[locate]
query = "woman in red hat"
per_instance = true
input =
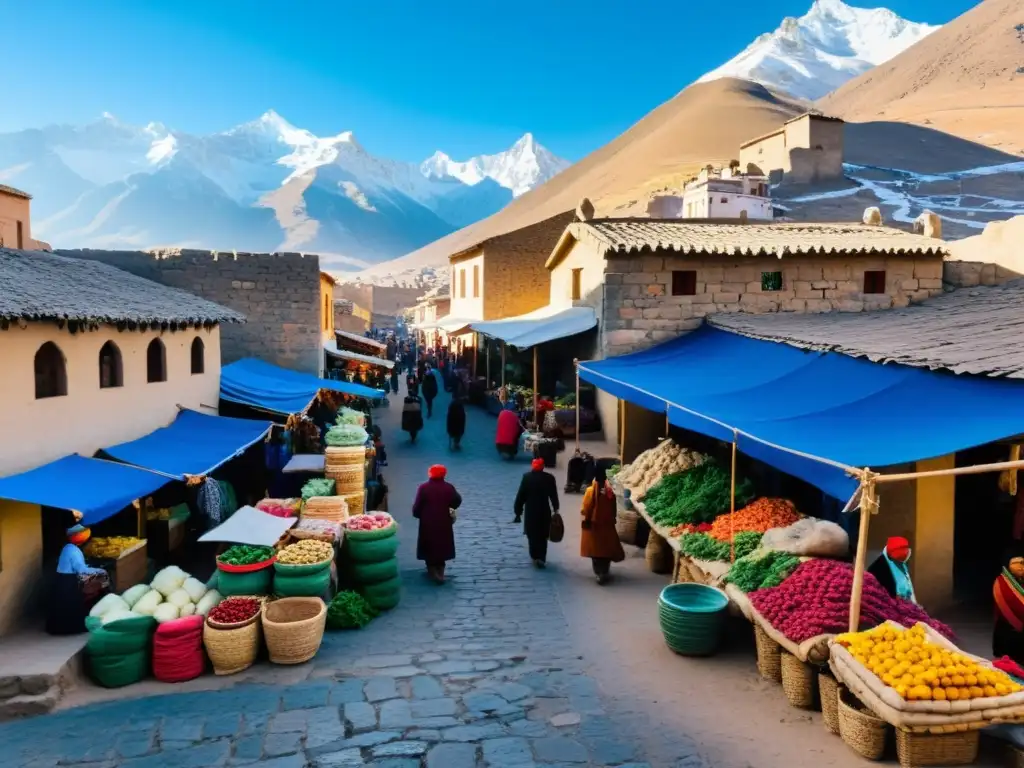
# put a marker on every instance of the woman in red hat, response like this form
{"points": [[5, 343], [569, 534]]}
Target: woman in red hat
{"points": [[435, 505], [538, 498], [892, 571]]}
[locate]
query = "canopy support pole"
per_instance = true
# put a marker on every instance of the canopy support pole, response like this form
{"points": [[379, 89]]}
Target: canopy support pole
{"points": [[503, 364], [476, 344], [868, 507], [666, 421], [955, 471], [535, 419], [576, 367], [622, 432], [487, 355], [732, 503]]}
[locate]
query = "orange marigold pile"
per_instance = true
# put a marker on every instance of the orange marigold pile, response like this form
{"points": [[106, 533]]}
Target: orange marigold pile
{"points": [[757, 516]]}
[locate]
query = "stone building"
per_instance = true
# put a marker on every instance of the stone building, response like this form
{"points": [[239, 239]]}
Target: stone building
{"points": [[723, 193], [804, 150], [650, 280], [16, 220], [281, 295]]}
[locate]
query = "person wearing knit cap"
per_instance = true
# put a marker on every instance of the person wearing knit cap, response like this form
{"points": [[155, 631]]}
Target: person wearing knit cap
{"points": [[67, 608], [434, 507], [535, 503], [892, 571]]}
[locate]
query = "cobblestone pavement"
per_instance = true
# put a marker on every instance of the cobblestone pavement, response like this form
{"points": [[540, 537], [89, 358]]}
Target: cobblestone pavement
{"points": [[478, 672]]}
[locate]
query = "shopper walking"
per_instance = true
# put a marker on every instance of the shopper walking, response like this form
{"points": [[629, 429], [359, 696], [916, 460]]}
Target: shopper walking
{"points": [[434, 506], [456, 423], [599, 540], [394, 380], [412, 385], [412, 417], [508, 432], [429, 387], [537, 499]]}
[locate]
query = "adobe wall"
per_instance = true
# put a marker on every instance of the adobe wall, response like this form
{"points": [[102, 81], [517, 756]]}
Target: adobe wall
{"points": [[279, 294], [809, 166]]}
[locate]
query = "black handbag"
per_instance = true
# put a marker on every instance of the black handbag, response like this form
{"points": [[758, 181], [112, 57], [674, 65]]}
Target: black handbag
{"points": [[557, 530]]}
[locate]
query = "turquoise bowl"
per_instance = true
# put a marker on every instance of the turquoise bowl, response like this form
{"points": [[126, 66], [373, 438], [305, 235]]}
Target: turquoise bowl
{"points": [[692, 618]]}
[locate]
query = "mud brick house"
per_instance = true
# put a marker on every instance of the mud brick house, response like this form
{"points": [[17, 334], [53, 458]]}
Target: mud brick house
{"points": [[804, 150]]}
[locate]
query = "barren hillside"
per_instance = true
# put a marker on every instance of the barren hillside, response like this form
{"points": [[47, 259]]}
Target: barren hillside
{"points": [[966, 79]]}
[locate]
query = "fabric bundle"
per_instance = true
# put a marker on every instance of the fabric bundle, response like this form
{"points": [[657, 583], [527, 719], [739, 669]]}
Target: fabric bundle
{"points": [[178, 650]]}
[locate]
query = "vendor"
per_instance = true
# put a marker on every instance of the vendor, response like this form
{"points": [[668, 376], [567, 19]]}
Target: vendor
{"points": [[75, 588], [892, 571]]}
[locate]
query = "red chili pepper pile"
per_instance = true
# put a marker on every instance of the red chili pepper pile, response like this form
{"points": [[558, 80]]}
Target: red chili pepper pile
{"points": [[234, 610], [687, 528]]}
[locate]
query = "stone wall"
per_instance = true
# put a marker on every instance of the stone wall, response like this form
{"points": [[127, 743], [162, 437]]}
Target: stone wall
{"points": [[968, 274], [639, 310], [279, 294]]}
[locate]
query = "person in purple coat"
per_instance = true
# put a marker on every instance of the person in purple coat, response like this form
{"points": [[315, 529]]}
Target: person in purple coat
{"points": [[435, 505]]}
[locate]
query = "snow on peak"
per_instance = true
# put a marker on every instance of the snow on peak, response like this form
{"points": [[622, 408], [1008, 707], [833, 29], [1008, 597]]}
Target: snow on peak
{"points": [[525, 165], [832, 43]]}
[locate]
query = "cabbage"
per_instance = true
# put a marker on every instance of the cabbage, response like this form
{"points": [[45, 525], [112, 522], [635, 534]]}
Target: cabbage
{"points": [[187, 610], [195, 588], [132, 594], [210, 599], [116, 613], [346, 435], [350, 416], [108, 603], [148, 603], [169, 580], [165, 612], [178, 598]]}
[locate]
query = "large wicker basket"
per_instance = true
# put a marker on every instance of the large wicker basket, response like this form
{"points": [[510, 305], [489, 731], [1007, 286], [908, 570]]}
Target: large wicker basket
{"points": [[333, 508], [799, 682], [920, 749], [625, 525], [356, 503], [864, 733], [294, 628], [350, 478], [232, 648], [347, 456], [828, 689], [769, 655], [658, 554]]}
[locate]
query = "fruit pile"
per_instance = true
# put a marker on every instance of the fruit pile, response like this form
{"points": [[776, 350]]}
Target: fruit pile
{"points": [[369, 522], [233, 610], [920, 670], [110, 547]]}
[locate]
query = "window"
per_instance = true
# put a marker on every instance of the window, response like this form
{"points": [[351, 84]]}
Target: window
{"points": [[21, 236], [684, 282], [771, 281], [327, 309], [874, 281], [51, 374], [462, 283], [725, 199], [111, 373], [576, 290], [156, 362], [198, 356], [476, 281]]}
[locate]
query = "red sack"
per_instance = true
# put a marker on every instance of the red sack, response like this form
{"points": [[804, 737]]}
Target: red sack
{"points": [[178, 650]]}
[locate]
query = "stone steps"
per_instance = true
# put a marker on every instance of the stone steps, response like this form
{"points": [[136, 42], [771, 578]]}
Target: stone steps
{"points": [[36, 689], [29, 705]]}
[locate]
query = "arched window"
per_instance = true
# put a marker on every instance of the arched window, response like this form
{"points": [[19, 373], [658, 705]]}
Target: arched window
{"points": [[51, 374], [156, 362], [198, 356], [111, 373]]}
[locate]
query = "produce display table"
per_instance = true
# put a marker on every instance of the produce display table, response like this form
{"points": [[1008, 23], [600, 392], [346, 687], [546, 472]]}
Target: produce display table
{"points": [[305, 462], [130, 567]]}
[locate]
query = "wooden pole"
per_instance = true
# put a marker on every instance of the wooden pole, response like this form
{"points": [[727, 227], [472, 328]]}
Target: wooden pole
{"points": [[666, 421], [503, 364], [975, 470], [535, 419], [487, 355], [732, 504], [868, 507], [622, 432], [576, 365], [476, 344]]}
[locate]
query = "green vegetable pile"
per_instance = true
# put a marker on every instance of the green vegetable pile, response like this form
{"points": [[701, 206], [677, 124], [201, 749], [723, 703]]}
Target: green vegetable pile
{"points": [[318, 486], [698, 495], [246, 554], [350, 416], [700, 546], [349, 610], [761, 569], [345, 435]]}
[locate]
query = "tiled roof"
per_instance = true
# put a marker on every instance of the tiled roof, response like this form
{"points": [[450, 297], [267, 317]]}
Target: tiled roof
{"points": [[41, 286], [4, 189], [626, 236], [970, 330]]}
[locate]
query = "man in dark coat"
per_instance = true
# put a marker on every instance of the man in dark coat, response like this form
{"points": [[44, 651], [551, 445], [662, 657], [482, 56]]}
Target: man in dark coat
{"points": [[429, 387], [433, 507], [456, 423], [538, 497]]}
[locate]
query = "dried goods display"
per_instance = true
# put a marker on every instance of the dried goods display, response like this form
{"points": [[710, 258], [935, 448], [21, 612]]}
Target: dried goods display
{"points": [[318, 486], [235, 610], [346, 435], [279, 507], [245, 554], [311, 527], [109, 547], [809, 537], [815, 600], [370, 522], [760, 569], [759, 515], [698, 495], [921, 670], [305, 553], [648, 468], [349, 610]]}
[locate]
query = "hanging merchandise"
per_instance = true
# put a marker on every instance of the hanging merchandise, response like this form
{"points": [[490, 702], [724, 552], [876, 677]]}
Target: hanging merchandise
{"points": [[228, 499], [303, 433], [209, 500]]}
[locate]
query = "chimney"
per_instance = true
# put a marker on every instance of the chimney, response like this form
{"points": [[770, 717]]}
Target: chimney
{"points": [[873, 216], [585, 210], [928, 224]]}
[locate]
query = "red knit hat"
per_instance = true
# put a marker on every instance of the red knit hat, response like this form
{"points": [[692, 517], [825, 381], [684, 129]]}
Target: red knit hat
{"points": [[537, 465], [437, 472], [898, 549]]}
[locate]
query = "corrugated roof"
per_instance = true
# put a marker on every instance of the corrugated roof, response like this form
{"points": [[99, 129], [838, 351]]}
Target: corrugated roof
{"points": [[969, 331], [16, 192], [690, 236], [41, 286]]}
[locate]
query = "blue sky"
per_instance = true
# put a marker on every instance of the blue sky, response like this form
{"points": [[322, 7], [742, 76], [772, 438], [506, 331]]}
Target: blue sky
{"points": [[408, 76]]}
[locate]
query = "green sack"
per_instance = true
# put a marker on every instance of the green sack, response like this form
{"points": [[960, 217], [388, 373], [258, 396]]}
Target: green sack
{"points": [[374, 535], [305, 569], [383, 596], [250, 583], [305, 585], [374, 573], [120, 670], [120, 637], [373, 551]]}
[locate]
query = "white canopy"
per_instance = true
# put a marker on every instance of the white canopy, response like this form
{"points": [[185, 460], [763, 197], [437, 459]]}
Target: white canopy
{"points": [[361, 339], [250, 526], [541, 325], [448, 324], [331, 347]]}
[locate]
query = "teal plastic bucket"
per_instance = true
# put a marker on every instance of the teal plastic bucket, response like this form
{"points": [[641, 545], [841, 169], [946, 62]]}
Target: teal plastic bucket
{"points": [[692, 618]]}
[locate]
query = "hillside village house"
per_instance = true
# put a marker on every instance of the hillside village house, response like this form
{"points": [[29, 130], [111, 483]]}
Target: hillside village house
{"points": [[804, 150], [93, 356], [16, 220], [723, 193], [430, 308]]}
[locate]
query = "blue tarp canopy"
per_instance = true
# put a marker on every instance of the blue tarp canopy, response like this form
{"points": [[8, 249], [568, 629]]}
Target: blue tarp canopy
{"points": [[193, 444], [279, 390], [96, 488], [792, 407]]}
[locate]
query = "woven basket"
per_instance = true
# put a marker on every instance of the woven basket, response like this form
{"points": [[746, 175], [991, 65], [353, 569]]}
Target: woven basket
{"points": [[769, 655], [798, 682], [658, 554], [347, 456], [828, 689], [919, 749], [625, 525], [232, 650], [294, 628], [333, 508], [864, 733], [348, 479], [355, 502]]}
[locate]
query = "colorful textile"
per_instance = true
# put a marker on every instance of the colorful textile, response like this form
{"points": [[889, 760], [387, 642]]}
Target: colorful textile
{"points": [[1009, 666], [209, 500], [1009, 600], [900, 576]]}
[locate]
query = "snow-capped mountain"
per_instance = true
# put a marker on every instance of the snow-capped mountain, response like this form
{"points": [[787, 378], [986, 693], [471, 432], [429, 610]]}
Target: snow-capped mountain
{"points": [[263, 185], [813, 55], [520, 169]]}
